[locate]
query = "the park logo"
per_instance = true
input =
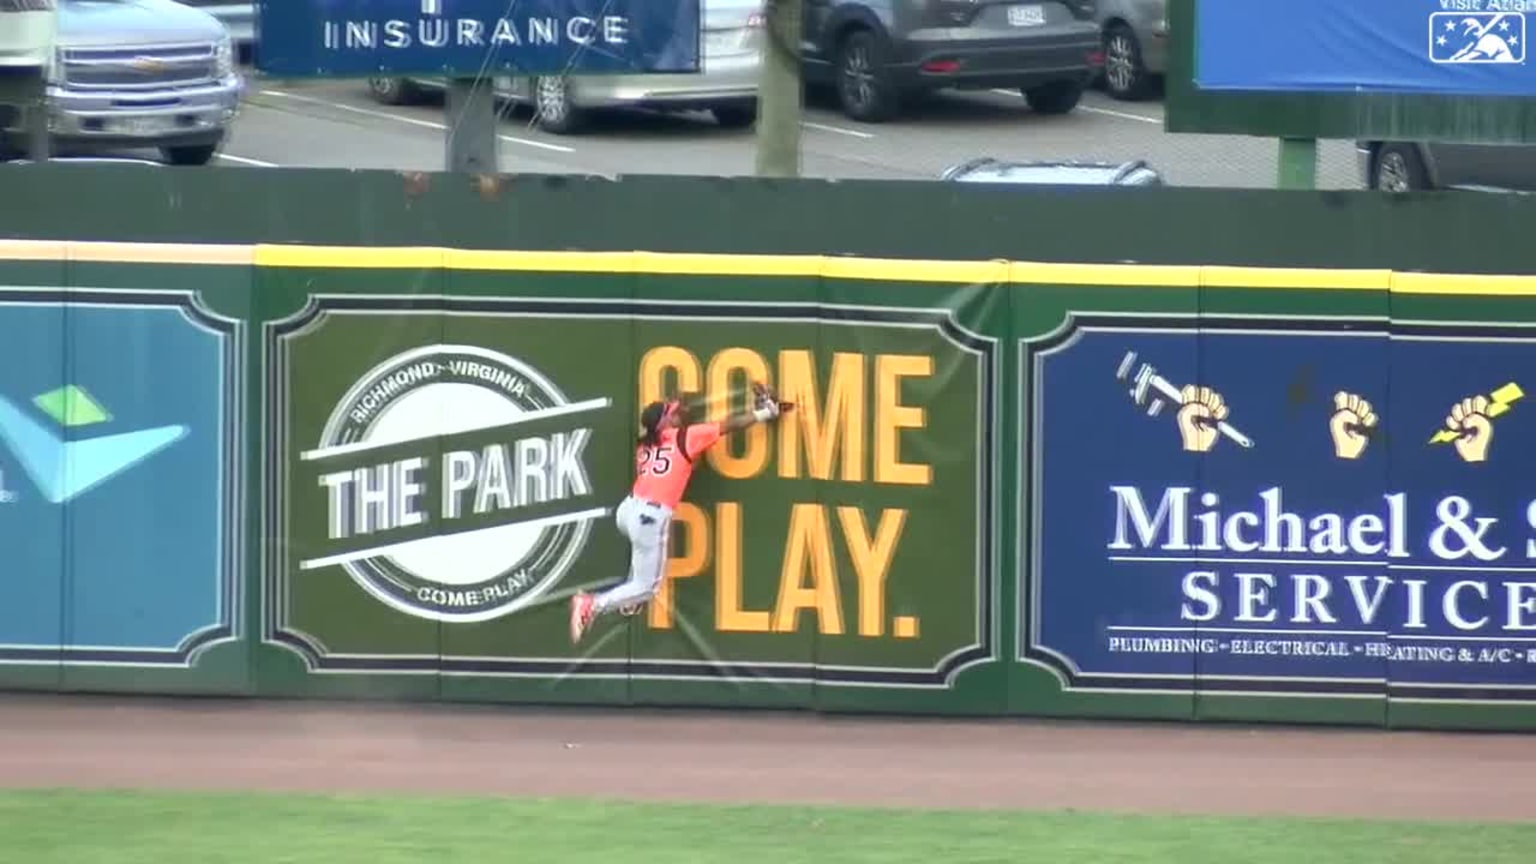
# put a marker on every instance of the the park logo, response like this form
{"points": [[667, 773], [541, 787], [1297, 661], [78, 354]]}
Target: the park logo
{"points": [[455, 483]]}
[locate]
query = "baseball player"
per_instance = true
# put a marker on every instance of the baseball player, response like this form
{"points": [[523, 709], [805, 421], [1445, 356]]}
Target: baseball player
{"points": [[665, 455]]}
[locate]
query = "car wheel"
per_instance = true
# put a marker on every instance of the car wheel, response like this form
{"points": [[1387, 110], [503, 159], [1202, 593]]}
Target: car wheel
{"points": [[1057, 97], [734, 117], [393, 91], [1125, 76], [196, 154], [1399, 169], [864, 86], [552, 108]]}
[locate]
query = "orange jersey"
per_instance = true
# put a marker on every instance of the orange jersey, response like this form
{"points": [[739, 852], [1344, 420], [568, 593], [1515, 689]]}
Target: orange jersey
{"points": [[662, 472]]}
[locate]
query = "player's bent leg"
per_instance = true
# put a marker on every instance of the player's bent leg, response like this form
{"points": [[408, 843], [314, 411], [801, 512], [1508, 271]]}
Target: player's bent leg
{"points": [[645, 525], [630, 595], [647, 561]]}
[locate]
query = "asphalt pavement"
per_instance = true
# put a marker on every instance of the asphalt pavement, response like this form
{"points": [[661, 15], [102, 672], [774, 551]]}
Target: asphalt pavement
{"points": [[336, 124]]}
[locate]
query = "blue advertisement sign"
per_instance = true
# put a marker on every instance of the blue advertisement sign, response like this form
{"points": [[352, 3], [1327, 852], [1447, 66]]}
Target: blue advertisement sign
{"points": [[116, 478], [1465, 47], [1317, 507], [361, 38]]}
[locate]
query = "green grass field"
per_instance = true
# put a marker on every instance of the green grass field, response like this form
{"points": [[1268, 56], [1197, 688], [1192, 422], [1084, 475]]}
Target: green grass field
{"points": [[65, 827]]}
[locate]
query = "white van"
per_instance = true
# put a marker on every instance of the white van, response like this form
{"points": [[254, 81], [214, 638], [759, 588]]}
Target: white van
{"points": [[26, 32]]}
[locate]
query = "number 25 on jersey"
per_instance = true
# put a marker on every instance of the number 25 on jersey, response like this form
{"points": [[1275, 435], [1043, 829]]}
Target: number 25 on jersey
{"points": [[656, 461]]}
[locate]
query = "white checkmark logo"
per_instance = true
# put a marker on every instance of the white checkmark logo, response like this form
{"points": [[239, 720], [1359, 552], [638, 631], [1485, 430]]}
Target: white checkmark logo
{"points": [[61, 469]]}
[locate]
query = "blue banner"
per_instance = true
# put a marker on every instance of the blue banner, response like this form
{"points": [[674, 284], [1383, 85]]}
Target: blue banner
{"points": [[1465, 47], [1269, 509], [469, 38], [115, 478]]}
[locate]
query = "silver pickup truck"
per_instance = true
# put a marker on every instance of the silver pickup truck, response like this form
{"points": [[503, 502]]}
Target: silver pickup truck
{"points": [[132, 74]]}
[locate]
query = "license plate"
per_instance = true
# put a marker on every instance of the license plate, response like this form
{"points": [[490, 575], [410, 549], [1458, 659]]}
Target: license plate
{"points": [[144, 125], [1026, 16]]}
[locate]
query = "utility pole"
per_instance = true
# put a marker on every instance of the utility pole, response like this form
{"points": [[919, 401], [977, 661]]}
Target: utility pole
{"points": [[780, 94], [471, 136], [35, 111]]}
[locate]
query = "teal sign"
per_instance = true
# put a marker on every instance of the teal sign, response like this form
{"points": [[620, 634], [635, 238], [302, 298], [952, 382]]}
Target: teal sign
{"points": [[116, 478]]}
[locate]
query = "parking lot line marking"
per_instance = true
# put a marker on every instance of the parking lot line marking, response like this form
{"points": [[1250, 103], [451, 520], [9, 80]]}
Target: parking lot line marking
{"points": [[1123, 115], [529, 142], [836, 130], [425, 124], [382, 115], [241, 160]]}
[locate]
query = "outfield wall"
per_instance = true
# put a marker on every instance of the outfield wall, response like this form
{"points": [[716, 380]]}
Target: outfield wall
{"points": [[378, 472]]}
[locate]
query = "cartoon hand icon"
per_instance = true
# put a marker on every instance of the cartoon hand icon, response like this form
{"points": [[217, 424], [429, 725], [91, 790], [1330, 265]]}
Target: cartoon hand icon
{"points": [[1469, 418], [1202, 409], [1350, 425]]}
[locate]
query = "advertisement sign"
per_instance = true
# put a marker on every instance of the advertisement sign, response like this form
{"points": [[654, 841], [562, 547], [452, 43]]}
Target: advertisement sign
{"points": [[473, 38], [444, 483], [514, 514], [26, 32], [117, 474], [1307, 506], [1466, 47]]}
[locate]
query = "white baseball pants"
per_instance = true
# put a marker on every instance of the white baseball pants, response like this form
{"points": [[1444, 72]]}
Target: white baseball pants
{"points": [[645, 524]]}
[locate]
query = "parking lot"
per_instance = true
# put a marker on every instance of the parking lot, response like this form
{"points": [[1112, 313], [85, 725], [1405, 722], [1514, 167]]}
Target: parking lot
{"points": [[335, 124]]}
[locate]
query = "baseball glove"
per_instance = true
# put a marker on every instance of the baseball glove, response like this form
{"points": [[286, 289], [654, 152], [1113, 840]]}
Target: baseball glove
{"points": [[763, 395]]}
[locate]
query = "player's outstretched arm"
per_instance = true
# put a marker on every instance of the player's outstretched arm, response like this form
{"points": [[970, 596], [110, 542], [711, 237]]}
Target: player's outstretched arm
{"points": [[737, 422], [766, 407]]}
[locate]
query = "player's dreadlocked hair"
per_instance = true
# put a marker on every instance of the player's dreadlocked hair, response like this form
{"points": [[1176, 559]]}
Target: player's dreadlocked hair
{"points": [[650, 424], [680, 405]]}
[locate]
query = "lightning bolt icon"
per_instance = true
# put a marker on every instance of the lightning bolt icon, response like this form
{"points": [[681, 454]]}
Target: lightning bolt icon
{"points": [[1499, 402]]}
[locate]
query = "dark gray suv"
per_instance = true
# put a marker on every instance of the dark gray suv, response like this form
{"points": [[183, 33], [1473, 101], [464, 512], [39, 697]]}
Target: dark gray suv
{"points": [[877, 52]]}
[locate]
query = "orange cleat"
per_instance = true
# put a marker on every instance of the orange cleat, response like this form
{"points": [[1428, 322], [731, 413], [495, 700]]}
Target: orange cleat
{"points": [[581, 615]]}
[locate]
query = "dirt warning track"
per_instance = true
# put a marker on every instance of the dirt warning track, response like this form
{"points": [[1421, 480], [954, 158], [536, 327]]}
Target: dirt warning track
{"points": [[100, 742]]}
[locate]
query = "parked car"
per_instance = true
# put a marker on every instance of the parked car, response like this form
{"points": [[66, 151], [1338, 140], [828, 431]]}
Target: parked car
{"points": [[877, 53], [1402, 166], [726, 86], [132, 74], [1048, 173], [1135, 46]]}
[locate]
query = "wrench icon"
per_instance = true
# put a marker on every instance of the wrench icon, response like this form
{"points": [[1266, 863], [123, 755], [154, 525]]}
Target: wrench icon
{"points": [[1149, 389]]}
